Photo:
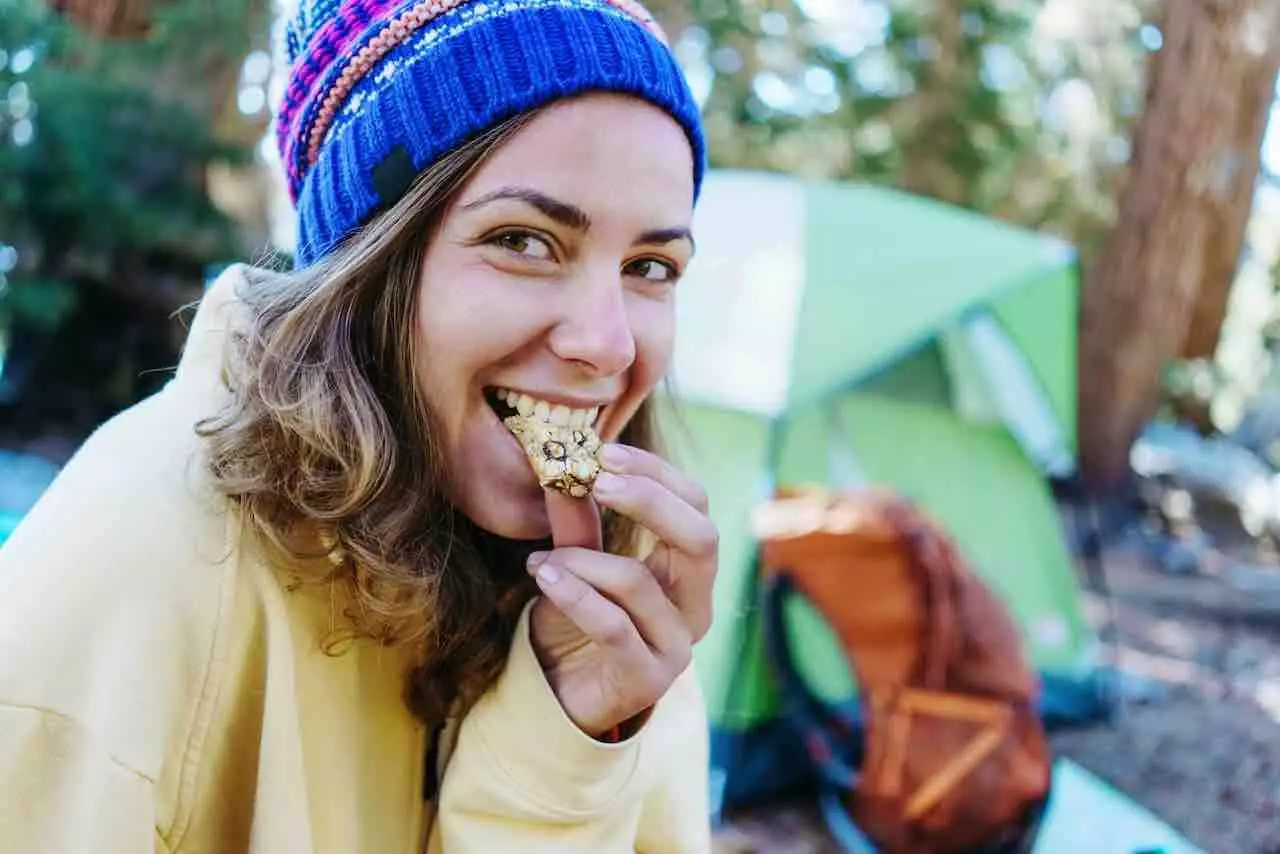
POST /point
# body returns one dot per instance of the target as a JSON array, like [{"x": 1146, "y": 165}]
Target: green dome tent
[{"x": 837, "y": 334}]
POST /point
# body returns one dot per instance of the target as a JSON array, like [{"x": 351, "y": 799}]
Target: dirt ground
[{"x": 1203, "y": 753}]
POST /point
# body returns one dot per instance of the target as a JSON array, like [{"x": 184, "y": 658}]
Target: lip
[{"x": 518, "y": 464}]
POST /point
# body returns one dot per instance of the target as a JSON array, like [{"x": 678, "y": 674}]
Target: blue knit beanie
[{"x": 380, "y": 89}]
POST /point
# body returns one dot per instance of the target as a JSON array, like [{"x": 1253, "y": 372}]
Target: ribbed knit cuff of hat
[{"x": 372, "y": 103}]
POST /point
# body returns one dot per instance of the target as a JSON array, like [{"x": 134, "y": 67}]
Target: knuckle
[
  {"x": 616, "y": 629},
  {"x": 681, "y": 657},
  {"x": 667, "y": 669},
  {"x": 571, "y": 558},
  {"x": 633, "y": 580},
  {"x": 708, "y": 539},
  {"x": 657, "y": 679},
  {"x": 572, "y": 595},
  {"x": 645, "y": 490},
  {"x": 701, "y": 500},
  {"x": 702, "y": 623}
]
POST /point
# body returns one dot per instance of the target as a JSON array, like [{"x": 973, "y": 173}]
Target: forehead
[{"x": 600, "y": 152}]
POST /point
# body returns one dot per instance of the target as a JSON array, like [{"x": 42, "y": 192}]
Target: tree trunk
[
  {"x": 1138, "y": 303},
  {"x": 1257, "y": 74},
  {"x": 108, "y": 18},
  {"x": 934, "y": 111}
]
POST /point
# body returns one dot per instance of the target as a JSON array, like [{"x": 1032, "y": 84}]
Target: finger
[
  {"x": 690, "y": 591},
  {"x": 603, "y": 621},
  {"x": 624, "y": 459},
  {"x": 668, "y": 516},
  {"x": 575, "y": 522},
  {"x": 630, "y": 584}
]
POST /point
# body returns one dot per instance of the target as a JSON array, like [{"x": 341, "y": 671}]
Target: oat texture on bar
[{"x": 564, "y": 458}]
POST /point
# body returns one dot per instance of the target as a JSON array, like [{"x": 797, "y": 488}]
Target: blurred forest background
[
  {"x": 132, "y": 166},
  {"x": 135, "y": 163}
]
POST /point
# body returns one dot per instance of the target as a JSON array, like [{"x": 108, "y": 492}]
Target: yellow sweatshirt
[{"x": 160, "y": 690}]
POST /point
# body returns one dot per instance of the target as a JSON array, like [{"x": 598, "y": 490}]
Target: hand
[{"x": 612, "y": 633}]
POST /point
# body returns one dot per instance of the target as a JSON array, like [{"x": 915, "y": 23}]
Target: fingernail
[
  {"x": 607, "y": 484},
  {"x": 548, "y": 574},
  {"x": 536, "y": 559},
  {"x": 614, "y": 456}
]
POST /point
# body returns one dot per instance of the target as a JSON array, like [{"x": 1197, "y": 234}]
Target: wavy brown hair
[{"x": 330, "y": 450}]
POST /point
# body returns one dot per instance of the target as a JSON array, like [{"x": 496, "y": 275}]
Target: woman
[{"x": 311, "y": 597}]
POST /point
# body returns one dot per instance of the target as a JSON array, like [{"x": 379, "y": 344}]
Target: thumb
[{"x": 575, "y": 522}]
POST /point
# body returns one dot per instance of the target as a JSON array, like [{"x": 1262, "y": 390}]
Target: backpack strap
[
  {"x": 993, "y": 717},
  {"x": 929, "y": 559},
  {"x": 832, "y": 740}
]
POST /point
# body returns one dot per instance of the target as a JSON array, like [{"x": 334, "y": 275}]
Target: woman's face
[{"x": 553, "y": 275}]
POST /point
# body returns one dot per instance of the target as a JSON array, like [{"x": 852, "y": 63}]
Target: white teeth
[{"x": 553, "y": 413}]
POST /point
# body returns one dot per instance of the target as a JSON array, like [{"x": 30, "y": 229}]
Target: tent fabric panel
[
  {"x": 756, "y": 765},
  {"x": 1008, "y": 528},
  {"x": 971, "y": 397},
  {"x": 977, "y": 482},
  {"x": 887, "y": 270},
  {"x": 974, "y": 478},
  {"x": 725, "y": 451},
  {"x": 922, "y": 376},
  {"x": 1020, "y": 396},
  {"x": 741, "y": 296},
  {"x": 820, "y": 659},
  {"x": 1042, "y": 318}
]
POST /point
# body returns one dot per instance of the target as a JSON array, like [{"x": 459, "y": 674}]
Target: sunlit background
[
  {"x": 1071, "y": 79},
  {"x": 138, "y": 159}
]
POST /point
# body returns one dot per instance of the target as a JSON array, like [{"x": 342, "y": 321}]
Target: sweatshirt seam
[
  {"x": 83, "y": 729},
  {"x": 206, "y": 701}
]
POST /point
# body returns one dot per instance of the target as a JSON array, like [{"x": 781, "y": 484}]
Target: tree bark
[
  {"x": 1257, "y": 73},
  {"x": 108, "y": 18},
  {"x": 1138, "y": 303},
  {"x": 933, "y": 111}
]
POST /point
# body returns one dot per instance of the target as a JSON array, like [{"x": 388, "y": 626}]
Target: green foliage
[
  {"x": 40, "y": 303},
  {"x": 1017, "y": 108},
  {"x": 104, "y": 150}
]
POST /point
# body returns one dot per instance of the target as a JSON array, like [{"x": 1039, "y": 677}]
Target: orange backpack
[{"x": 953, "y": 755}]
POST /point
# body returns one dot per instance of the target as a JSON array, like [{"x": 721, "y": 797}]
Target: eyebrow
[
  {"x": 562, "y": 212},
  {"x": 573, "y": 216},
  {"x": 663, "y": 236}
]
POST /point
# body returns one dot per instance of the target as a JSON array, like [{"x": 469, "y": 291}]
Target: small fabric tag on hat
[{"x": 392, "y": 177}]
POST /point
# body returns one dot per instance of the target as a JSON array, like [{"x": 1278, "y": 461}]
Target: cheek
[
  {"x": 654, "y": 327},
  {"x": 442, "y": 356},
  {"x": 427, "y": 341}
]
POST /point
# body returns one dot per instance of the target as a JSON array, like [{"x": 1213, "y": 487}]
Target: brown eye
[
  {"x": 653, "y": 270},
  {"x": 523, "y": 243}
]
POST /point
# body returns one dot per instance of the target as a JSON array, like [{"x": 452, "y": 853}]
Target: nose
[{"x": 594, "y": 329}]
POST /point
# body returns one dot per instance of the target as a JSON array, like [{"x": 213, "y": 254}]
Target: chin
[{"x": 515, "y": 516}]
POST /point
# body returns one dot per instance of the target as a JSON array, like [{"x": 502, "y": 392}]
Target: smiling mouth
[
  {"x": 506, "y": 403},
  {"x": 559, "y": 443}
]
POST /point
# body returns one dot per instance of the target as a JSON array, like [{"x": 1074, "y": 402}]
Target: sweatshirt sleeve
[
  {"x": 676, "y": 815},
  {"x": 111, "y": 593},
  {"x": 523, "y": 777},
  {"x": 63, "y": 792}
]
